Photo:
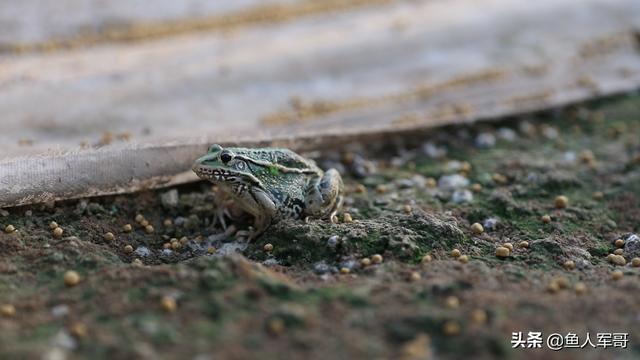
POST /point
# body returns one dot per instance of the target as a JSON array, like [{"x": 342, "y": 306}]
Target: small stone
[
  {"x": 452, "y": 182},
  {"x": 9, "y": 229},
  {"x": 360, "y": 189},
  {"x": 524, "y": 244},
  {"x": 502, "y": 252},
  {"x": 499, "y": 179},
  {"x": 333, "y": 241},
  {"x": 143, "y": 251},
  {"x": 479, "y": 317},
  {"x": 376, "y": 259},
  {"x": 569, "y": 265},
  {"x": 347, "y": 218},
  {"x": 451, "y": 328},
  {"x": 617, "y": 275},
  {"x": 167, "y": 223},
  {"x": 137, "y": 262},
  {"x": 619, "y": 243},
  {"x": 268, "y": 247},
  {"x": 635, "y": 262},
  {"x": 71, "y": 278},
  {"x": 464, "y": 259},
  {"x": 561, "y": 202},
  {"x": 553, "y": 287},
  {"x": 546, "y": 219},
  {"x": 476, "y": 187},
  {"x": 344, "y": 270},
  {"x": 407, "y": 209},
  {"x": 598, "y": 195},
  {"x": 381, "y": 189},
  {"x": 461, "y": 196},
  {"x": 490, "y": 223},
  {"x": 176, "y": 245},
  {"x": 618, "y": 252},
  {"x": 364, "y": 262},
  {"x": 139, "y": 218},
  {"x": 455, "y": 253},
  {"x": 276, "y": 326},
  {"x": 128, "y": 249},
  {"x": 618, "y": 260},
  {"x": 430, "y": 183},
  {"x": 580, "y": 288},
  {"x": 211, "y": 250},
  {"x": 168, "y": 304},
  {"x": 148, "y": 229},
  {"x": 507, "y": 134},
  {"x": 414, "y": 276},
  {"x": 78, "y": 330},
  {"x": 166, "y": 246},
  {"x": 433, "y": 151},
  {"x": 53, "y": 225},
  {"x": 7, "y": 310},
  {"x": 127, "y": 228},
  {"x": 509, "y": 246},
  {"x": 169, "y": 199},
  {"x": 452, "y": 302},
  {"x": 562, "y": 282},
  {"x": 477, "y": 229},
  {"x": 57, "y": 232},
  {"x": 426, "y": 259},
  {"x": 109, "y": 237},
  {"x": 485, "y": 140}
]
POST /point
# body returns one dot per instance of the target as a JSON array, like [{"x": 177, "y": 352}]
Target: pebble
[
  {"x": 407, "y": 209},
  {"x": 455, "y": 253},
  {"x": 523, "y": 244},
  {"x": 618, "y": 252},
  {"x": 618, "y": 260},
  {"x": 168, "y": 304},
  {"x": 414, "y": 276},
  {"x": 479, "y": 317},
  {"x": 127, "y": 228},
  {"x": 452, "y": 302},
  {"x": 53, "y": 225},
  {"x": 268, "y": 247},
  {"x": 569, "y": 265},
  {"x": 169, "y": 199},
  {"x": 7, "y": 310},
  {"x": 451, "y": 328},
  {"x": 128, "y": 249},
  {"x": 561, "y": 202},
  {"x": 427, "y": 258},
  {"x": 344, "y": 270},
  {"x": 347, "y": 218},
  {"x": 485, "y": 140},
  {"x": 377, "y": 259},
  {"x": 78, "y": 330},
  {"x": 433, "y": 151},
  {"x": 179, "y": 221},
  {"x": 502, "y": 252},
  {"x": 9, "y": 229},
  {"x": 490, "y": 223},
  {"x": 333, "y": 241},
  {"x": 57, "y": 232},
  {"x": 464, "y": 259},
  {"x": 143, "y": 251},
  {"x": 546, "y": 219},
  {"x": 476, "y": 187},
  {"x": 632, "y": 245},
  {"x": 148, "y": 229},
  {"x": 509, "y": 246},
  {"x": 109, "y": 237},
  {"x": 452, "y": 182},
  {"x": 619, "y": 243},
  {"x": 364, "y": 262},
  {"x": 321, "y": 268},
  {"x": 71, "y": 278},
  {"x": 580, "y": 288},
  {"x": 617, "y": 275},
  {"x": 139, "y": 218},
  {"x": 59, "y": 311},
  {"x": 461, "y": 196},
  {"x": 635, "y": 262},
  {"x": 477, "y": 229},
  {"x": 507, "y": 134}
]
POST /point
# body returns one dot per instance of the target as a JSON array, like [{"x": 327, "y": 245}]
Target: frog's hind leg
[{"x": 324, "y": 196}]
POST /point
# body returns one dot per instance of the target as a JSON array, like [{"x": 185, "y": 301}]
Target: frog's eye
[
  {"x": 226, "y": 156},
  {"x": 215, "y": 148}
]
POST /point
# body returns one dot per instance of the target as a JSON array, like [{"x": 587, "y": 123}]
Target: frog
[{"x": 272, "y": 184}]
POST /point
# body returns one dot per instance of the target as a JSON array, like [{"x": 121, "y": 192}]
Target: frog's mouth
[{"x": 218, "y": 175}]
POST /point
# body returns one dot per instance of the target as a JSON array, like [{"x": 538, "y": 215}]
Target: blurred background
[{"x": 83, "y": 75}]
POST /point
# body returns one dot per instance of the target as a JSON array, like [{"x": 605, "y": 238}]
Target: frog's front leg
[
  {"x": 324, "y": 195},
  {"x": 264, "y": 212}
]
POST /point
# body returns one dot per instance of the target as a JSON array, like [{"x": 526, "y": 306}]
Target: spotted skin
[{"x": 272, "y": 184}]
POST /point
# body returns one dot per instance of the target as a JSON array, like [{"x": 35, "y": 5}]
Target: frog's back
[{"x": 280, "y": 156}]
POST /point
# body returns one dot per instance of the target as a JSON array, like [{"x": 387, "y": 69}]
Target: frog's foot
[
  {"x": 261, "y": 225},
  {"x": 218, "y": 217},
  {"x": 324, "y": 196}
]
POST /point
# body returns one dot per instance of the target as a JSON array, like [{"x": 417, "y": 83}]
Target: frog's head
[{"x": 224, "y": 166}]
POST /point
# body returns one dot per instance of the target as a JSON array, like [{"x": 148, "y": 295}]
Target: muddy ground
[{"x": 208, "y": 294}]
